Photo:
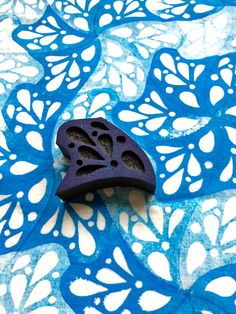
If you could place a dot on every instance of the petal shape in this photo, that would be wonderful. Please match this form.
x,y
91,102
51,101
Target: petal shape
x,y
108,276
114,300
152,300
22,167
196,257
83,288
35,140
37,191
46,263
216,285
142,232
86,241
160,265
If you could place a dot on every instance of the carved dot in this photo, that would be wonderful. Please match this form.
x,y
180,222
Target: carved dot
x,y
79,162
121,139
95,133
138,284
20,194
114,163
71,145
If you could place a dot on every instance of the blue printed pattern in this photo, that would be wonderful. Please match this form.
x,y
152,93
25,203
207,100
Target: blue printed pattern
x,y
165,73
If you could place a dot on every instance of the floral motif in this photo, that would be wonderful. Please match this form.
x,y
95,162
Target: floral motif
x,y
26,11
186,129
30,281
29,115
16,66
180,246
111,283
81,225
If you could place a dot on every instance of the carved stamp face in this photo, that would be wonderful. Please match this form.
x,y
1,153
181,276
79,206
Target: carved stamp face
x,y
101,156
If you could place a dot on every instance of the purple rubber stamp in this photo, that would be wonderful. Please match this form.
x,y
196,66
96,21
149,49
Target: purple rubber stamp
x,y
101,156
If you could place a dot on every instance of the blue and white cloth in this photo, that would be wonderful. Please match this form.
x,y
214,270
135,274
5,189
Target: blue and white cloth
x,y
164,71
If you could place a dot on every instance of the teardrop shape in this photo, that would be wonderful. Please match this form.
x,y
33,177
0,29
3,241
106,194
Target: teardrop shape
x,y
227,76
157,217
231,134
84,288
89,53
35,140
151,301
120,260
50,224
132,161
168,62
105,142
79,135
189,99
175,220
211,226
182,124
86,241
114,300
39,292
227,172
37,191
137,201
17,217
55,83
207,142
216,285
21,262
45,264
82,210
108,276
172,185
86,170
22,167
89,153
194,168
99,101
12,241
183,69
68,227
216,94
196,257
105,19
24,98
81,23
142,232
17,288
174,80
154,124
174,163
160,265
